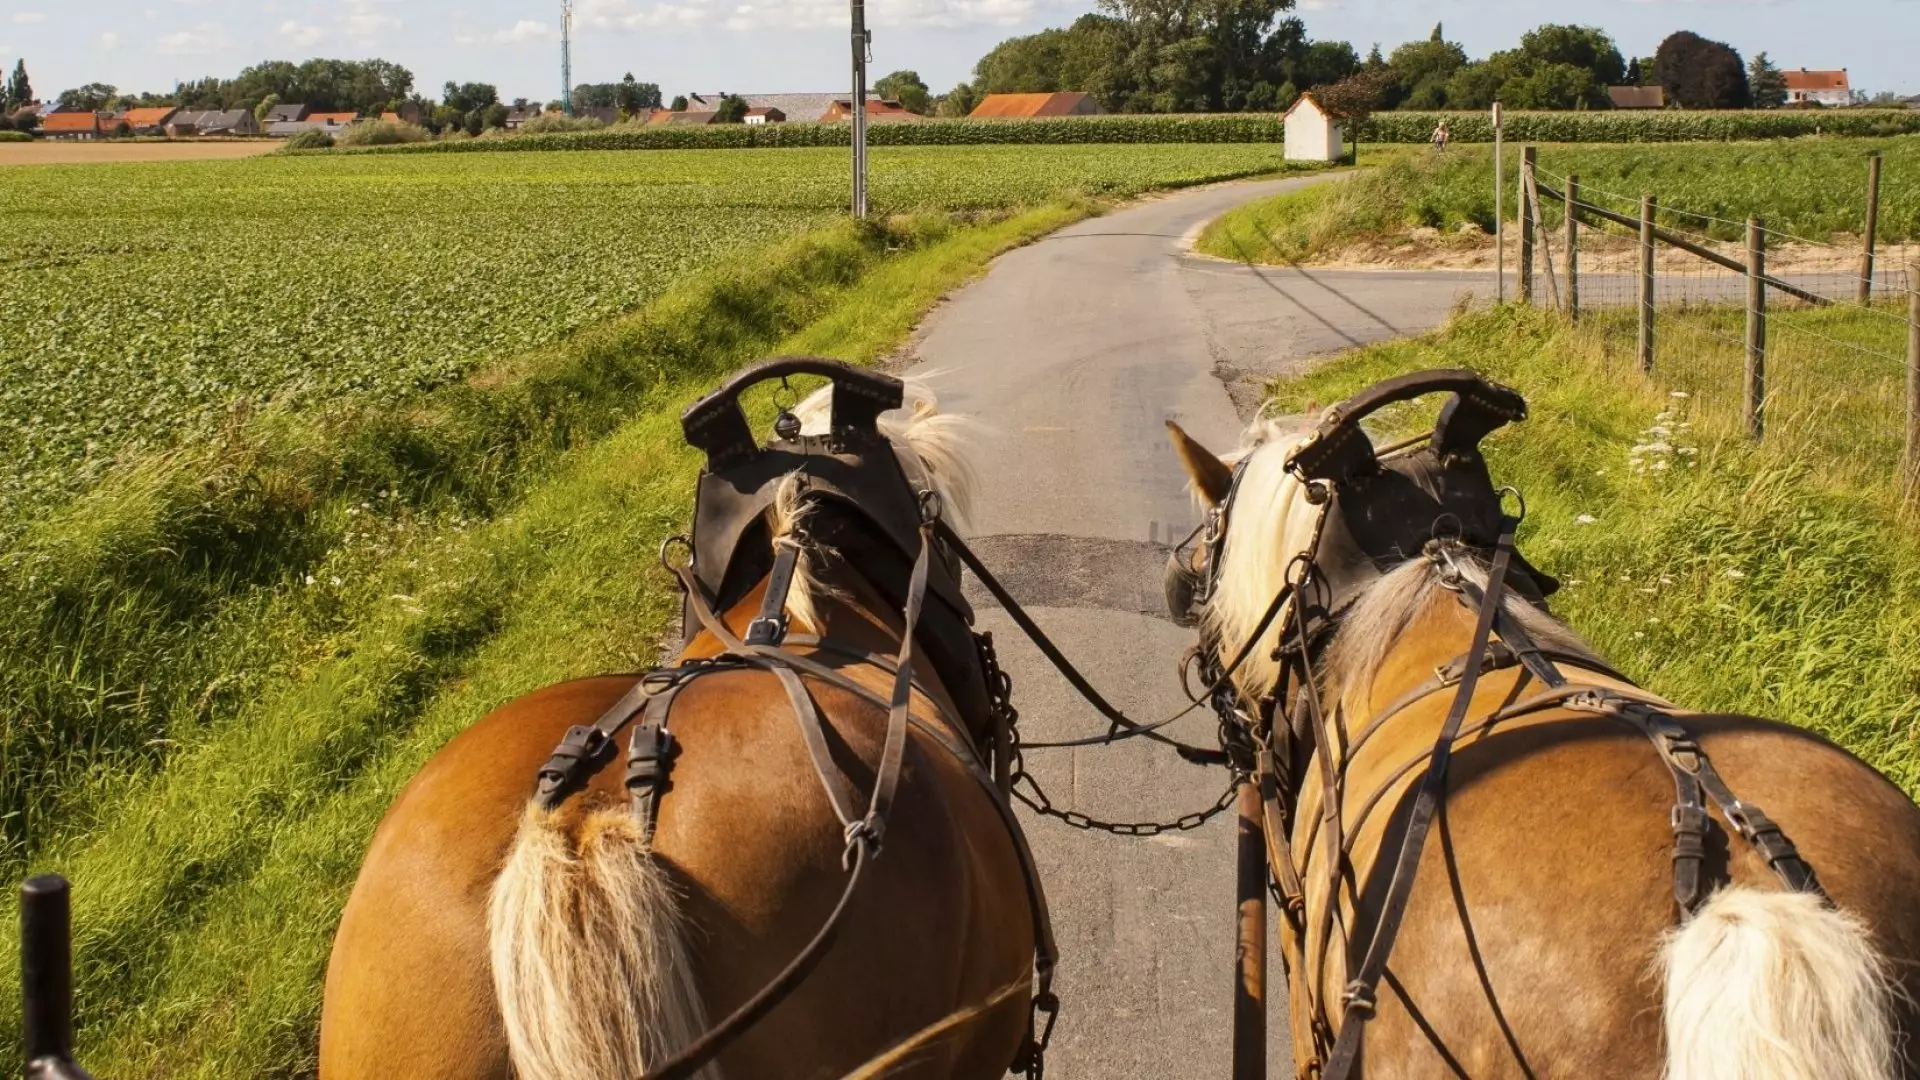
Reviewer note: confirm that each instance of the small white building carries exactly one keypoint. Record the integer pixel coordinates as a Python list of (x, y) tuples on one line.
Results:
[(1829, 88), (1313, 134)]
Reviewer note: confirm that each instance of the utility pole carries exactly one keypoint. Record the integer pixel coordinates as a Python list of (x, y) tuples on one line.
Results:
[(566, 56), (862, 52), (1499, 212)]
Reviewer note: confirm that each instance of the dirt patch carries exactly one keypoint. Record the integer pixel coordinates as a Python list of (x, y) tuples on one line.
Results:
[(67, 152), (1429, 249)]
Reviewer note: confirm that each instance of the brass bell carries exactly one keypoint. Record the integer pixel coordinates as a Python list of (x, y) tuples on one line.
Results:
[(786, 426)]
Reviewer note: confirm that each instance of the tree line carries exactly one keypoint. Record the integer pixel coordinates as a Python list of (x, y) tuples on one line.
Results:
[(1250, 55)]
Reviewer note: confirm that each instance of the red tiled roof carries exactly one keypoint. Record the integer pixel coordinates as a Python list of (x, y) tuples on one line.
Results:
[(332, 117), (140, 118), (1029, 105), (1816, 80), (64, 123)]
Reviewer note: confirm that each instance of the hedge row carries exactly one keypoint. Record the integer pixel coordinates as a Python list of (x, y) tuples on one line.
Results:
[(1630, 126), (1395, 127)]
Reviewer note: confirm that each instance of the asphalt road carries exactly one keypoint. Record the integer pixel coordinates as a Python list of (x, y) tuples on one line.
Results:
[(1073, 351)]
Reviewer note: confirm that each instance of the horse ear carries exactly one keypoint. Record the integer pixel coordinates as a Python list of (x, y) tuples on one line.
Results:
[(1211, 476)]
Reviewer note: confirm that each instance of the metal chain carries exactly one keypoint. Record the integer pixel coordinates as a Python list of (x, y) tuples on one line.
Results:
[(1028, 790)]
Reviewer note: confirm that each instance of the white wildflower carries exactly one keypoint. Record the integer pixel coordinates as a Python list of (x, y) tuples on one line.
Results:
[(1638, 634), (335, 579), (1681, 394), (1735, 575), (309, 579), (1585, 519)]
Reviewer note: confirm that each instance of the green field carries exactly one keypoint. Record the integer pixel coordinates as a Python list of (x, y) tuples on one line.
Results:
[(140, 303), (1815, 189), (222, 654)]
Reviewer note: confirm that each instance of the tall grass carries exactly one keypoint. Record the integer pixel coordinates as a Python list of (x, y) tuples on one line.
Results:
[(1781, 579)]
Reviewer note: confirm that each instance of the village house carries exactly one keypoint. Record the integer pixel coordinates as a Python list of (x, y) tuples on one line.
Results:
[(1818, 87), (1312, 132), (1030, 106), (149, 121), (70, 125), (332, 120), (878, 110), (764, 116), (286, 114), (521, 114), (213, 122), (800, 108)]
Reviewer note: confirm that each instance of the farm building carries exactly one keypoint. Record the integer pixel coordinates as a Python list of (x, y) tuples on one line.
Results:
[(213, 122), (764, 116), (1637, 97), (1313, 133), (70, 125), (1818, 87), (1027, 106), (803, 108), (332, 119), (149, 121), (522, 114), (878, 111), (287, 114)]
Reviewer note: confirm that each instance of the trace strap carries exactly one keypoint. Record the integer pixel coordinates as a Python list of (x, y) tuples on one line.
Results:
[(1360, 992)]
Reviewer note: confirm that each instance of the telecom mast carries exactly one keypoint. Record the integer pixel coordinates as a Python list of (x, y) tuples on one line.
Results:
[(566, 56)]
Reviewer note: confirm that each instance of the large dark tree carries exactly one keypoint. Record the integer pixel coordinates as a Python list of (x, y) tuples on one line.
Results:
[(89, 98), (628, 95), (470, 97), (1584, 47), (1701, 74), (1421, 70), (907, 88)]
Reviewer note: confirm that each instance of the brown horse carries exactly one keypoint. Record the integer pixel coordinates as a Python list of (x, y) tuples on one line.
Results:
[(1541, 934), (488, 937)]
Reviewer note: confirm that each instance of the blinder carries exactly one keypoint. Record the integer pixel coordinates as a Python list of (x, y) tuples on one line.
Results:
[(854, 465), (1385, 510)]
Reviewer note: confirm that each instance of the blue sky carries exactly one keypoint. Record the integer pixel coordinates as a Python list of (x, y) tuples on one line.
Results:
[(770, 46)]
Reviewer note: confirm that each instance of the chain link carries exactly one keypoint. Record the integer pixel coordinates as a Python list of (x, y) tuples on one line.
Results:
[(1028, 790)]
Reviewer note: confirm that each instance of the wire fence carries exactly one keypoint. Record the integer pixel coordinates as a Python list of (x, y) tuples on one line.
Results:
[(1793, 340)]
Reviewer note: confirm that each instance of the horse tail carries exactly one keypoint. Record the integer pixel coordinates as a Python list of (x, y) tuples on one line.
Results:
[(1769, 985), (589, 966)]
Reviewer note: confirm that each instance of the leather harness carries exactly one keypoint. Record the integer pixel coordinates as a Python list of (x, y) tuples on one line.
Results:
[(1378, 511), (856, 467)]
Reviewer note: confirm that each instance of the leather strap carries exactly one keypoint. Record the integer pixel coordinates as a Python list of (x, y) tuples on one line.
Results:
[(770, 626), (1360, 993), (650, 754)]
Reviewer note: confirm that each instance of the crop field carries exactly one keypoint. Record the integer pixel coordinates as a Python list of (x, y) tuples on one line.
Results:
[(138, 304), (1815, 189)]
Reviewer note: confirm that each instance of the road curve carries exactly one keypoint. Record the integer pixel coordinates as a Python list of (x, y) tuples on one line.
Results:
[(1073, 351)]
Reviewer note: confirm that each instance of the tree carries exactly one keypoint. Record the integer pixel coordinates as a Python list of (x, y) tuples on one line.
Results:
[(470, 97), (1584, 47), (1318, 63), (679, 103), (1768, 83), (1701, 74), (26, 121), (19, 92), (907, 88), (632, 97), (958, 102), (266, 105), (732, 110), (89, 98), (1356, 98), (1554, 86), (1421, 70)]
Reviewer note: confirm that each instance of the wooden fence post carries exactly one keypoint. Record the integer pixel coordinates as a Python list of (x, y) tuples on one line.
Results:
[(1573, 248), (1756, 381), (1873, 226), (1648, 204), (1528, 222), (1913, 383)]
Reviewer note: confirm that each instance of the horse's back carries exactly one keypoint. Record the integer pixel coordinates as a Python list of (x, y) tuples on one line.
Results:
[(1571, 813), (753, 850)]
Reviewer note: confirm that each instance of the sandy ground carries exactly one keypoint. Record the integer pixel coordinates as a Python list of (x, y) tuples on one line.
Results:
[(1430, 249), (69, 152)]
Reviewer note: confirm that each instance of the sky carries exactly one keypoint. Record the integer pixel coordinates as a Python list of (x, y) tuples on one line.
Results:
[(773, 46)]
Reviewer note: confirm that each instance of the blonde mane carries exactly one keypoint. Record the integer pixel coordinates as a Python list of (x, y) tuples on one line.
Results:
[(1271, 524), (935, 443)]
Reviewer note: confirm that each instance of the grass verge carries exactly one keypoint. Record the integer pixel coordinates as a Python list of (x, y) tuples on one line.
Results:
[(1781, 579), (421, 572)]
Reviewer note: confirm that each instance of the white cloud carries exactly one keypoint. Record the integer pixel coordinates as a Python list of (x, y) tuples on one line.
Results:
[(946, 14), (202, 40), (29, 16), (365, 22), (109, 41), (629, 15), (524, 31), (6, 50), (300, 36)]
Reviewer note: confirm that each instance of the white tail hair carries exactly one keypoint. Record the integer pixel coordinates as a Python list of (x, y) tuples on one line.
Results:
[(1770, 985), (589, 966)]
